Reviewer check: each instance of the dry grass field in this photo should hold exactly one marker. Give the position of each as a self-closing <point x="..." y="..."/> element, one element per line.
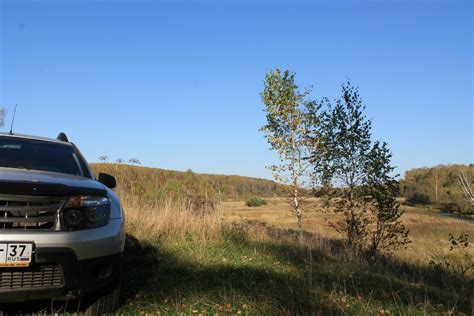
<point x="429" y="229"/>
<point x="227" y="262"/>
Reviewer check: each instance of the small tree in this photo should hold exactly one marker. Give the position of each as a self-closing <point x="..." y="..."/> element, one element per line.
<point x="290" y="118"/>
<point x="363" y="173"/>
<point x="103" y="158"/>
<point x="345" y="144"/>
<point x="134" y="162"/>
<point x="388" y="232"/>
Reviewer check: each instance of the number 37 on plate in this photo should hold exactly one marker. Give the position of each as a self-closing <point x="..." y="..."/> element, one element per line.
<point x="15" y="254"/>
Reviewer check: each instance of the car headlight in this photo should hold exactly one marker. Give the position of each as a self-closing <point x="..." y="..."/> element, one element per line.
<point x="86" y="211"/>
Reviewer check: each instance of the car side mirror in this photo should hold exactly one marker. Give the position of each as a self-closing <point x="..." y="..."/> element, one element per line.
<point x="107" y="180"/>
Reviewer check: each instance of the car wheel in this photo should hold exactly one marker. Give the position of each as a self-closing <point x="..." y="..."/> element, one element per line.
<point x="104" y="305"/>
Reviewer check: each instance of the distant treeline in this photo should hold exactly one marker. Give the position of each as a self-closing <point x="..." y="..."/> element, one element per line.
<point x="153" y="186"/>
<point x="438" y="186"/>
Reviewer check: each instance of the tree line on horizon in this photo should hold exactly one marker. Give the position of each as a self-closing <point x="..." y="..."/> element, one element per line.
<point x="439" y="186"/>
<point x="140" y="186"/>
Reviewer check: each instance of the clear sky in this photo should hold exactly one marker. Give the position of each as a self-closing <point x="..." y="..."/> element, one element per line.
<point x="176" y="84"/>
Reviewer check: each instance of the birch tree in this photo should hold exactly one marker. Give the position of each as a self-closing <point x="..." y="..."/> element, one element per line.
<point x="466" y="186"/>
<point x="291" y="117"/>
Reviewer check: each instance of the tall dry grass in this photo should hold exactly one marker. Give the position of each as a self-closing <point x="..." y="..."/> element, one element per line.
<point x="171" y="221"/>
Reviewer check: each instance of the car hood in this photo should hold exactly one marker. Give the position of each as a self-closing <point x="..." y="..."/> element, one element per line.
<point x="32" y="182"/>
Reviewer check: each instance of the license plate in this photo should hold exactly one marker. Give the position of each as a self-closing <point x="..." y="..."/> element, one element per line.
<point x="15" y="254"/>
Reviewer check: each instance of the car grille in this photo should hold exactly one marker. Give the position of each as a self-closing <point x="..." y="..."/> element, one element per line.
<point x="29" y="212"/>
<point x="43" y="276"/>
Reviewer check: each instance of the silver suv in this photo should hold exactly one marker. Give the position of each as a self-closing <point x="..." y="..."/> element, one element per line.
<point x="61" y="230"/>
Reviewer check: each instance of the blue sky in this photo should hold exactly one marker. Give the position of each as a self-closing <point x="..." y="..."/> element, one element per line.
<point x="177" y="84"/>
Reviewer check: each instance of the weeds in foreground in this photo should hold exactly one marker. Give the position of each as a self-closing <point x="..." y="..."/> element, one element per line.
<point x="460" y="261"/>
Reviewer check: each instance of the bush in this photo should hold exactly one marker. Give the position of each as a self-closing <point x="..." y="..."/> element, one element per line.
<point x="326" y="201"/>
<point x="418" y="198"/>
<point x="255" y="202"/>
<point x="416" y="195"/>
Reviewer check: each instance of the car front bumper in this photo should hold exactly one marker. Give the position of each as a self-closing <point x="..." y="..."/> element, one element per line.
<point x="71" y="279"/>
<point x="65" y="264"/>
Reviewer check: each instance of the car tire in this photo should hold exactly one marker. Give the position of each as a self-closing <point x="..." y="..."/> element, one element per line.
<point x="105" y="304"/>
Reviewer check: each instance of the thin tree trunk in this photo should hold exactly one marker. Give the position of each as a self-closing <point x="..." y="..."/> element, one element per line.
<point x="298" y="213"/>
<point x="295" y="176"/>
<point x="350" y="225"/>
<point x="300" y="229"/>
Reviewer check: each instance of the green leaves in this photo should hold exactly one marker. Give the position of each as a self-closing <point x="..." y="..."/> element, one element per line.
<point x="336" y="144"/>
<point x="287" y="128"/>
<point x="291" y="130"/>
<point x="286" y="116"/>
<point x="346" y="157"/>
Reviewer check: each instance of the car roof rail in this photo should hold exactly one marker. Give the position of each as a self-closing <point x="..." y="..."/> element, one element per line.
<point x="62" y="137"/>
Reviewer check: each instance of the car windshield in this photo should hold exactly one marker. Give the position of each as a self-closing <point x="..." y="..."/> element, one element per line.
<point x="40" y="155"/>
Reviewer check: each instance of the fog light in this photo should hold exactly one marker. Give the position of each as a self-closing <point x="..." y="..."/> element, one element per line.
<point x="73" y="217"/>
